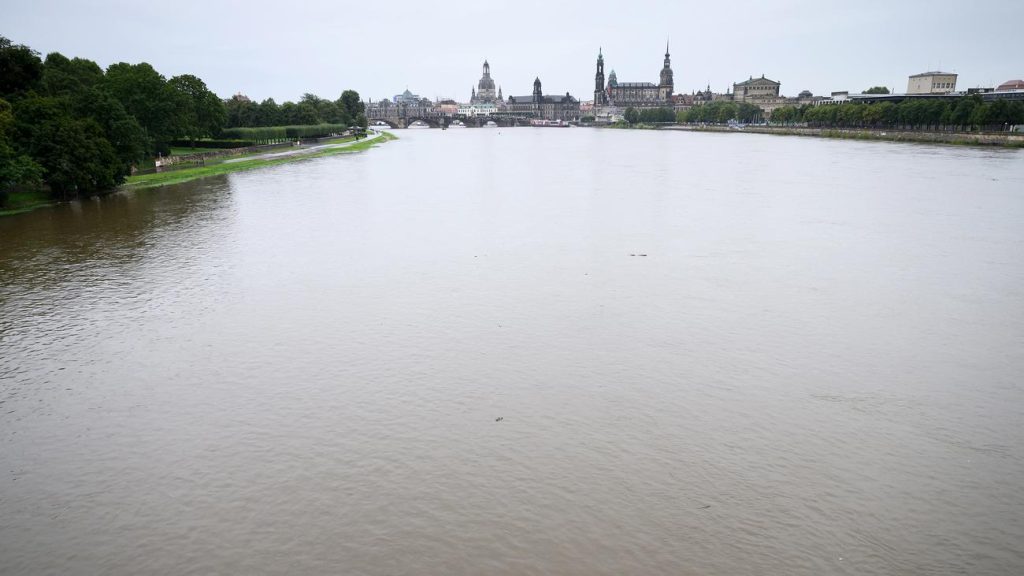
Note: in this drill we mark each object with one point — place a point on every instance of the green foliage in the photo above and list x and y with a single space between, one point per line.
68 124
348 110
350 106
20 69
786 115
656 115
215 144
79 130
16 169
166 109
201 113
631 115
74 153
274 134
62 77
720 112
968 112
876 90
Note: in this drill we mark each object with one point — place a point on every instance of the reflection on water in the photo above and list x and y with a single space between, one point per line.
444 357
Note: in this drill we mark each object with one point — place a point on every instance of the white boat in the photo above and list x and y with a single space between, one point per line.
549 123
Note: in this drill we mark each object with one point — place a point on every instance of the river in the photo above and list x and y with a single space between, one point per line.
525 351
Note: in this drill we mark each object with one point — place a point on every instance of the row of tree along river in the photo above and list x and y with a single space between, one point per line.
68 128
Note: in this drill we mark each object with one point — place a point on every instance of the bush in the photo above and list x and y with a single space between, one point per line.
270 134
213 143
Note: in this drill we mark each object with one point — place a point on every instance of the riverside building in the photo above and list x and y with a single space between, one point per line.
484 92
546 107
932 83
633 94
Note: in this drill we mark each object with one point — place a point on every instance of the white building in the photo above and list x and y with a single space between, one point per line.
478 109
932 83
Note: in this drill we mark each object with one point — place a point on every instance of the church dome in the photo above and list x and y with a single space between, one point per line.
1011 85
485 81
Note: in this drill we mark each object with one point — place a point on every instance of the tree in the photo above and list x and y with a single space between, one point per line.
631 115
876 90
16 168
73 152
120 128
747 112
241 112
351 106
62 77
200 113
268 114
20 68
80 83
786 115
144 93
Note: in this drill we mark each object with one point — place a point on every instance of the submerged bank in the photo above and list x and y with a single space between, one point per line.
1008 139
26 201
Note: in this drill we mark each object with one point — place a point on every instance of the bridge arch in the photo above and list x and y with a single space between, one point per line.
376 122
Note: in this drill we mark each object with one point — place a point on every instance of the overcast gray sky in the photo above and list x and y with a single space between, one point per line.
283 49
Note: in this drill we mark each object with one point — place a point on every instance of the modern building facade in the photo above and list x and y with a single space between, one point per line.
406 97
932 83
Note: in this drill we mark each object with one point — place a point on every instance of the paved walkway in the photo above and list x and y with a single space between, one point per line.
305 149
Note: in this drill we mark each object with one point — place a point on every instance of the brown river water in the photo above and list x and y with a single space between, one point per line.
525 351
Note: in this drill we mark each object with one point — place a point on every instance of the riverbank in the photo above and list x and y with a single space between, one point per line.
251 162
1006 140
26 201
21 201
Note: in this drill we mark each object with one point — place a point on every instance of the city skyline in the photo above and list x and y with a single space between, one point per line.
380 51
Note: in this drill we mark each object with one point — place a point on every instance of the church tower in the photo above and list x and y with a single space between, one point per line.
538 96
666 86
600 97
485 88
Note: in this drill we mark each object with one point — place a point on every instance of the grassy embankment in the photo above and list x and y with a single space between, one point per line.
221 167
28 200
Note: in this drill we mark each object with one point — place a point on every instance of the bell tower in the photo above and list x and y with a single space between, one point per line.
666 86
600 98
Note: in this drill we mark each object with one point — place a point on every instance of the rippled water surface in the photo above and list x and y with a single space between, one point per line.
525 351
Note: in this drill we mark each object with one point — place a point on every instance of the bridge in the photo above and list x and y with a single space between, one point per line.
405 115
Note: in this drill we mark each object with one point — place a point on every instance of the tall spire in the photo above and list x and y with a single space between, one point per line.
666 47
